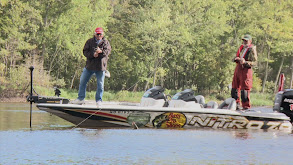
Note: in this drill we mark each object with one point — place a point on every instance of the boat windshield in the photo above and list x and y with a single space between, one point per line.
147 93
175 97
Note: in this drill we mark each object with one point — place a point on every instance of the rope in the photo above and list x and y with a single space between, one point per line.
134 124
85 119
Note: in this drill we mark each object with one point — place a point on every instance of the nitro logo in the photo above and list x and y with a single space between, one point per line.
236 122
288 100
219 122
291 107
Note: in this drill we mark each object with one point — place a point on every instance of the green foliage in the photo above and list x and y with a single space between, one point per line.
270 87
262 99
257 84
177 44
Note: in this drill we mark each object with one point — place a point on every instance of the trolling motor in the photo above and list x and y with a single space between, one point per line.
30 98
45 99
41 99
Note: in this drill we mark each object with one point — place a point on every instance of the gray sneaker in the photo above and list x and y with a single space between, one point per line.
77 101
99 104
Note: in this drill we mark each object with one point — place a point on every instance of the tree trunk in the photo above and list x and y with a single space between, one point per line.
266 70
157 64
147 83
278 75
154 78
71 85
52 60
135 88
44 28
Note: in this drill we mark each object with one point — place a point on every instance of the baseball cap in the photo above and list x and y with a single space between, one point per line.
99 30
247 37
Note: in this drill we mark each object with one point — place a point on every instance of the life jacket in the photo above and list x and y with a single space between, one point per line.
245 53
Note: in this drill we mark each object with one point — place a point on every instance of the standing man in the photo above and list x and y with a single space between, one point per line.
246 58
97 51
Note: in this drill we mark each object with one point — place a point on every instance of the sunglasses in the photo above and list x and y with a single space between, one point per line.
99 34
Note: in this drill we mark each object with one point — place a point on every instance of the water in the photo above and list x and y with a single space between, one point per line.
55 141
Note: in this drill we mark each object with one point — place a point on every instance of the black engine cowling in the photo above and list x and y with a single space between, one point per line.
284 102
156 93
186 95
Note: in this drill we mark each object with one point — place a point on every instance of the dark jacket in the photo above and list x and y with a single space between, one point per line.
99 63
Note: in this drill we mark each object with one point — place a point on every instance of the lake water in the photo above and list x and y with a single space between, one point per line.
55 141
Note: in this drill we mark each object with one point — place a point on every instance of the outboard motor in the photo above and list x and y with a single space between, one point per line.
154 97
156 92
185 99
186 95
284 102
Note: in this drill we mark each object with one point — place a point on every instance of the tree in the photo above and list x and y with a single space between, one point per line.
17 38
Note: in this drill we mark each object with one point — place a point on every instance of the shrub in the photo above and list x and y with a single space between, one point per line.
257 84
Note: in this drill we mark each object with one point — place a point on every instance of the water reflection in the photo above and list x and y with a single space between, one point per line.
16 116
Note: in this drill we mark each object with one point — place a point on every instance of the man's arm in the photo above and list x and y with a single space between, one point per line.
237 58
252 60
106 50
87 51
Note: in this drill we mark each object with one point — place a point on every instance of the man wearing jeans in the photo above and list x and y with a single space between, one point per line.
97 51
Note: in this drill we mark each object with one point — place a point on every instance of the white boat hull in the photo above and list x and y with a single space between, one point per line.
117 115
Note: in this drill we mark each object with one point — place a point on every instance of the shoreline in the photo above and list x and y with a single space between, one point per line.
13 100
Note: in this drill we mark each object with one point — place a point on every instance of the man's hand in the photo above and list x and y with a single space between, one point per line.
98 50
96 54
242 60
237 59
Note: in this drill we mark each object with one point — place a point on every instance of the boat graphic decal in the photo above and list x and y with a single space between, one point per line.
288 100
107 115
170 120
218 121
138 118
99 113
235 122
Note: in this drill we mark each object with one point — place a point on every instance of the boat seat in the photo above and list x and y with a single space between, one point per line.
200 99
212 105
229 103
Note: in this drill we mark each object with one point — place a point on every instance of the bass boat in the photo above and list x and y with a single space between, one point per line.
183 110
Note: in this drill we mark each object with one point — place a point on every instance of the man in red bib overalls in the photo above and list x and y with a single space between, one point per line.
245 59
